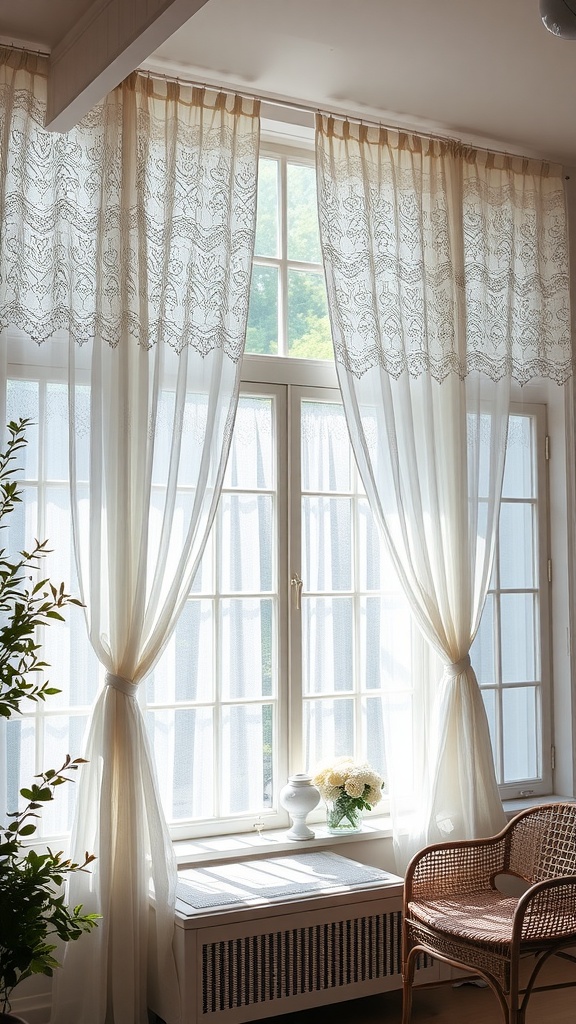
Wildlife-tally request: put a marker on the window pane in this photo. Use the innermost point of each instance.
(516, 546)
(247, 758)
(182, 741)
(22, 524)
(250, 464)
(20, 758)
(328, 730)
(267, 209)
(373, 729)
(519, 481)
(489, 698)
(518, 638)
(246, 566)
(22, 401)
(520, 714)
(74, 667)
(325, 451)
(327, 543)
(376, 571)
(385, 642)
(482, 650)
(302, 214)
(327, 644)
(309, 335)
(185, 671)
(56, 424)
(248, 648)
(262, 333)
(62, 734)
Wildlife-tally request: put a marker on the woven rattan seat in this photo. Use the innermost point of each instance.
(454, 911)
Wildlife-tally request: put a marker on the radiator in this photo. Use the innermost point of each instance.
(255, 962)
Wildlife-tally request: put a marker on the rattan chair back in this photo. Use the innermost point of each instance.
(457, 909)
(542, 842)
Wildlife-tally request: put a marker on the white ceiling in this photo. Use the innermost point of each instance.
(485, 69)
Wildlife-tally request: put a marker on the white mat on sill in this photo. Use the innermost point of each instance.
(272, 878)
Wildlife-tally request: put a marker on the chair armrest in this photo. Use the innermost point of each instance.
(458, 867)
(547, 910)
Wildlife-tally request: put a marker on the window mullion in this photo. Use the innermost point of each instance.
(283, 270)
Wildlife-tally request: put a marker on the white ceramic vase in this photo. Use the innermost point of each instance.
(299, 797)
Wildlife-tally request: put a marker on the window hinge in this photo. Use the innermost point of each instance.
(553, 757)
(549, 570)
(547, 447)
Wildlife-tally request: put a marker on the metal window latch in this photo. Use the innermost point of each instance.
(296, 582)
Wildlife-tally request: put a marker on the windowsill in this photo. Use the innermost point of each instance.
(512, 807)
(246, 845)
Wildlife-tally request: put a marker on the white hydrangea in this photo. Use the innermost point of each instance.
(345, 776)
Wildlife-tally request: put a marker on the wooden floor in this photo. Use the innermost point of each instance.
(445, 1004)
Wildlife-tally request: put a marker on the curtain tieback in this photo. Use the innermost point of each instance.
(455, 668)
(118, 683)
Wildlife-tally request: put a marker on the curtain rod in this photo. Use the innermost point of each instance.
(289, 104)
(23, 48)
(465, 140)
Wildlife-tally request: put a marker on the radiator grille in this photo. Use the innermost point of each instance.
(261, 968)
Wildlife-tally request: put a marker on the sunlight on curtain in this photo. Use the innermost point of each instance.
(134, 233)
(447, 279)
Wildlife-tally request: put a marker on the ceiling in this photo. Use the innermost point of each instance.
(479, 69)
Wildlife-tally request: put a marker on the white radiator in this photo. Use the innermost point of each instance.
(251, 961)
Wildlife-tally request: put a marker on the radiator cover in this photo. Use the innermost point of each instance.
(284, 964)
(250, 962)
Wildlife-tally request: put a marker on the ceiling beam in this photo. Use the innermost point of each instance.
(105, 45)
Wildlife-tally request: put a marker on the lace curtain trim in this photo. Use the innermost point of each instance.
(441, 259)
(156, 245)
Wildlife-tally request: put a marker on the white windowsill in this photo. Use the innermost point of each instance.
(247, 845)
(512, 807)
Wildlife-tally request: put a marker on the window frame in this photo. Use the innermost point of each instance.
(289, 372)
(543, 784)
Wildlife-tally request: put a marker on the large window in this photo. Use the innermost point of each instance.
(295, 639)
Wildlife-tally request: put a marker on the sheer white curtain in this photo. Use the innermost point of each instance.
(447, 279)
(133, 233)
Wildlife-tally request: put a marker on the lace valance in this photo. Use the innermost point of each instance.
(440, 258)
(138, 222)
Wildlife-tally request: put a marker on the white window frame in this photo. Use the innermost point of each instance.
(558, 543)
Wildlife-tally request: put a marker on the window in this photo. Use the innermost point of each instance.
(510, 654)
(288, 306)
(44, 734)
(252, 687)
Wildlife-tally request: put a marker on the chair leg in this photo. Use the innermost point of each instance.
(408, 969)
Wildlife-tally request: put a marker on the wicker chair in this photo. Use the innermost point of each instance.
(454, 912)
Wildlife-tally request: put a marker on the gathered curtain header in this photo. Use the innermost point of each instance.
(118, 227)
(441, 258)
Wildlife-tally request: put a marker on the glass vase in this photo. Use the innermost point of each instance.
(342, 816)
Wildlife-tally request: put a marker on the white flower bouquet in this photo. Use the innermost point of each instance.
(348, 789)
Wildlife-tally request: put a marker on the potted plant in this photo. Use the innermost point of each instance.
(33, 910)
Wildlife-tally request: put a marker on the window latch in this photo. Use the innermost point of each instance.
(296, 582)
